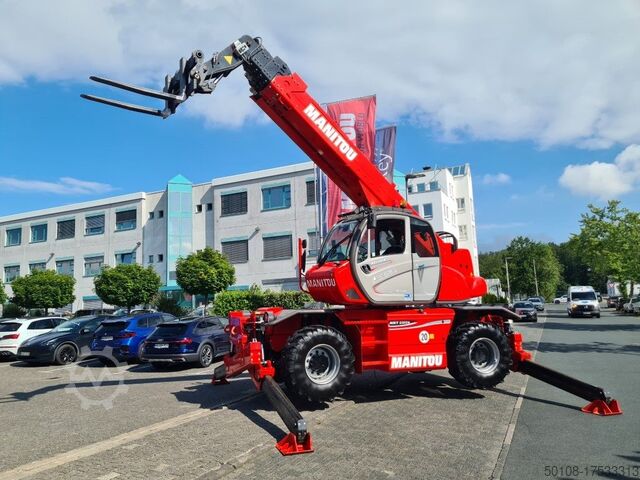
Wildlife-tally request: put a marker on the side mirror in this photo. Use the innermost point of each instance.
(85, 331)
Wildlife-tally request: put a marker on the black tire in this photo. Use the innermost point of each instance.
(478, 340)
(318, 363)
(65, 354)
(598, 315)
(205, 356)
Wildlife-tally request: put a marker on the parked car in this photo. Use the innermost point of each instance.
(561, 299)
(196, 340)
(93, 311)
(612, 301)
(620, 303)
(66, 343)
(13, 332)
(121, 338)
(538, 302)
(526, 310)
(628, 307)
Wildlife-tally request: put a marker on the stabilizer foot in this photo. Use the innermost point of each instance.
(289, 445)
(603, 408)
(219, 381)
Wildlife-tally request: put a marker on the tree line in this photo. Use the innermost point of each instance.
(606, 247)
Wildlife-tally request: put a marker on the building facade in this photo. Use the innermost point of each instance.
(254, 218)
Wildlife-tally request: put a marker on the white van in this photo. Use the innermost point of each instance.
(582, 301)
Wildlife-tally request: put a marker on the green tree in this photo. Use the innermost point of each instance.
(206, 272)
(492, 265)
(3, 295)
(127, 285)
(528, 260)
(43, 289)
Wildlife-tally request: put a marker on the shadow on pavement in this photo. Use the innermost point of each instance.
(596, 347)
(535, 399)
(589, 327)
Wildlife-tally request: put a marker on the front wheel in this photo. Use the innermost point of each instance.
(319, 363)
(479, 355)
(65, 354)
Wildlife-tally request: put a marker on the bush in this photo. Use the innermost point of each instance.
(492, 299)
(170, 305)
(255, 298)
(11, 310)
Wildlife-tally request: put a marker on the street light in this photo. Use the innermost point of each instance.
(506, 265)
(410, 176)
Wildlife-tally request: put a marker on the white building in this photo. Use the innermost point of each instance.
(444, 196)
(254, 218)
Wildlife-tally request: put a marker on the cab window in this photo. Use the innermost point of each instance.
(423, 242)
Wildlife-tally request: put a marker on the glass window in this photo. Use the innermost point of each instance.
(433, 186)
(311, 192)
(150, 258)
(66, 229)
(11, 273)
(313, 244)
(151, 215)
(37, 267)
(14, 237)
(199, 208)
(126, 220)
(39, 233)
(160, 213)
(160, 258)
(420, 187)
(94, 225)
(236, 251)
(209, 207)
(277, 247)
(336, 246)
(125, 258)
(427, 210)
(462, 231)
(41, 324)
(233, 203)
(65, 267)
(423, 242)
(276, 197)
(461, 204)
(93, 265)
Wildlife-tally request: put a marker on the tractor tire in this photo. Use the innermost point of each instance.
(319, 363)
(479, 355)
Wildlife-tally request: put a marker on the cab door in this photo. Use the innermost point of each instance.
(425, 261)
(383, 260)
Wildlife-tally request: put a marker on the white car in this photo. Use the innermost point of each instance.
(631, 305)
(15, 331)
(562, 299)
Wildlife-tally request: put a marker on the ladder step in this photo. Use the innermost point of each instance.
(375, 363)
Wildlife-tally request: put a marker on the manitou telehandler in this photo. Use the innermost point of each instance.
(397, 288)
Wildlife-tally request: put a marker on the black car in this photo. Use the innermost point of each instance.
(65, 344)
(526, 310)
(612, 301)
(192, 340)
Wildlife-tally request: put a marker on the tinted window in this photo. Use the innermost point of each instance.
(523, 305)
(170, 330)
(583, 295)
(166, 317)
(41, 324)
(422, 240)
(112, 327)
(70, 326)
(143, 322)
(9, 327)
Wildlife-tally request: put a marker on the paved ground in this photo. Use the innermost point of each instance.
(171, 425)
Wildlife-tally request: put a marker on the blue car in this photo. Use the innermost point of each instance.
(121, 339)
(197, 340)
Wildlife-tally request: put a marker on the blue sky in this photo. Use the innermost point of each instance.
(521, 136)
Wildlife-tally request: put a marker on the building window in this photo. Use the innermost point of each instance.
(11, 273)
(199, 208)
(276, 197)
(160, 213)
(65, 267)
(313, 245)
(125, 258)
(311, 192)
(462, 231)
(151, 215)
(276, 248)
(237, 251)
(209, 207)
(433, 186)
(93, 265)
(66, 229)
(427, 210)
(233, 204)
(150, 258)
(420, 187)
(94, 225)
(39, 233)
(14, 237)
(37, 267)
(126, 220)
(160, 258)
(461, 205)
(446, 212)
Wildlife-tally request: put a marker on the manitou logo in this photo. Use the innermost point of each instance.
(416, 361)
(331, 133)
(321, 282)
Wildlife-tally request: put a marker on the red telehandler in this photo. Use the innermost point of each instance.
(397, 288)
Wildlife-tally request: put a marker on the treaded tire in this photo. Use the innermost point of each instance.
(206, 356)
(65, 354)
(458, 351)
(332, 353)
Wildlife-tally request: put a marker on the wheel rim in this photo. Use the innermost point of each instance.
(484, 355)
(67, 355)
(207, 355)
(322, 364)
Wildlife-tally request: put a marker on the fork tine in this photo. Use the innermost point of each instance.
(127, 106)
(140, 90)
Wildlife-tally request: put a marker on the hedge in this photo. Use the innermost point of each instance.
(254, 299)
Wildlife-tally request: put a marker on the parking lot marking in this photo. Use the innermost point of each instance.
(39, 466)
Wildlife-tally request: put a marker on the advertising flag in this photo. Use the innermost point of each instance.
(385, 151)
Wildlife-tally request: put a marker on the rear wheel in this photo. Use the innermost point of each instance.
(65, 354)
(479, 355)
(205, 358)
(319, 363)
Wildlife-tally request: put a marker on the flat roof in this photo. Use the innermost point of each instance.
(260, 174)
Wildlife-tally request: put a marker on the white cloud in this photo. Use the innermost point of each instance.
(605, 180)
(496, 179)
(546, 71)
(64, 186)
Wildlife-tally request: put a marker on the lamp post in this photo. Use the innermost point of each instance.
(535, 277)
(410, 176)
(506, 265)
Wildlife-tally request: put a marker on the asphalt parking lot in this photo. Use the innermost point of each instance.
(87, 421)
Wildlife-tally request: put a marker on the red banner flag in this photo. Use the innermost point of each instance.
(357, 119)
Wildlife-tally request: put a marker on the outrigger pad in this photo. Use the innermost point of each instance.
(289, 445)
(603, 408)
